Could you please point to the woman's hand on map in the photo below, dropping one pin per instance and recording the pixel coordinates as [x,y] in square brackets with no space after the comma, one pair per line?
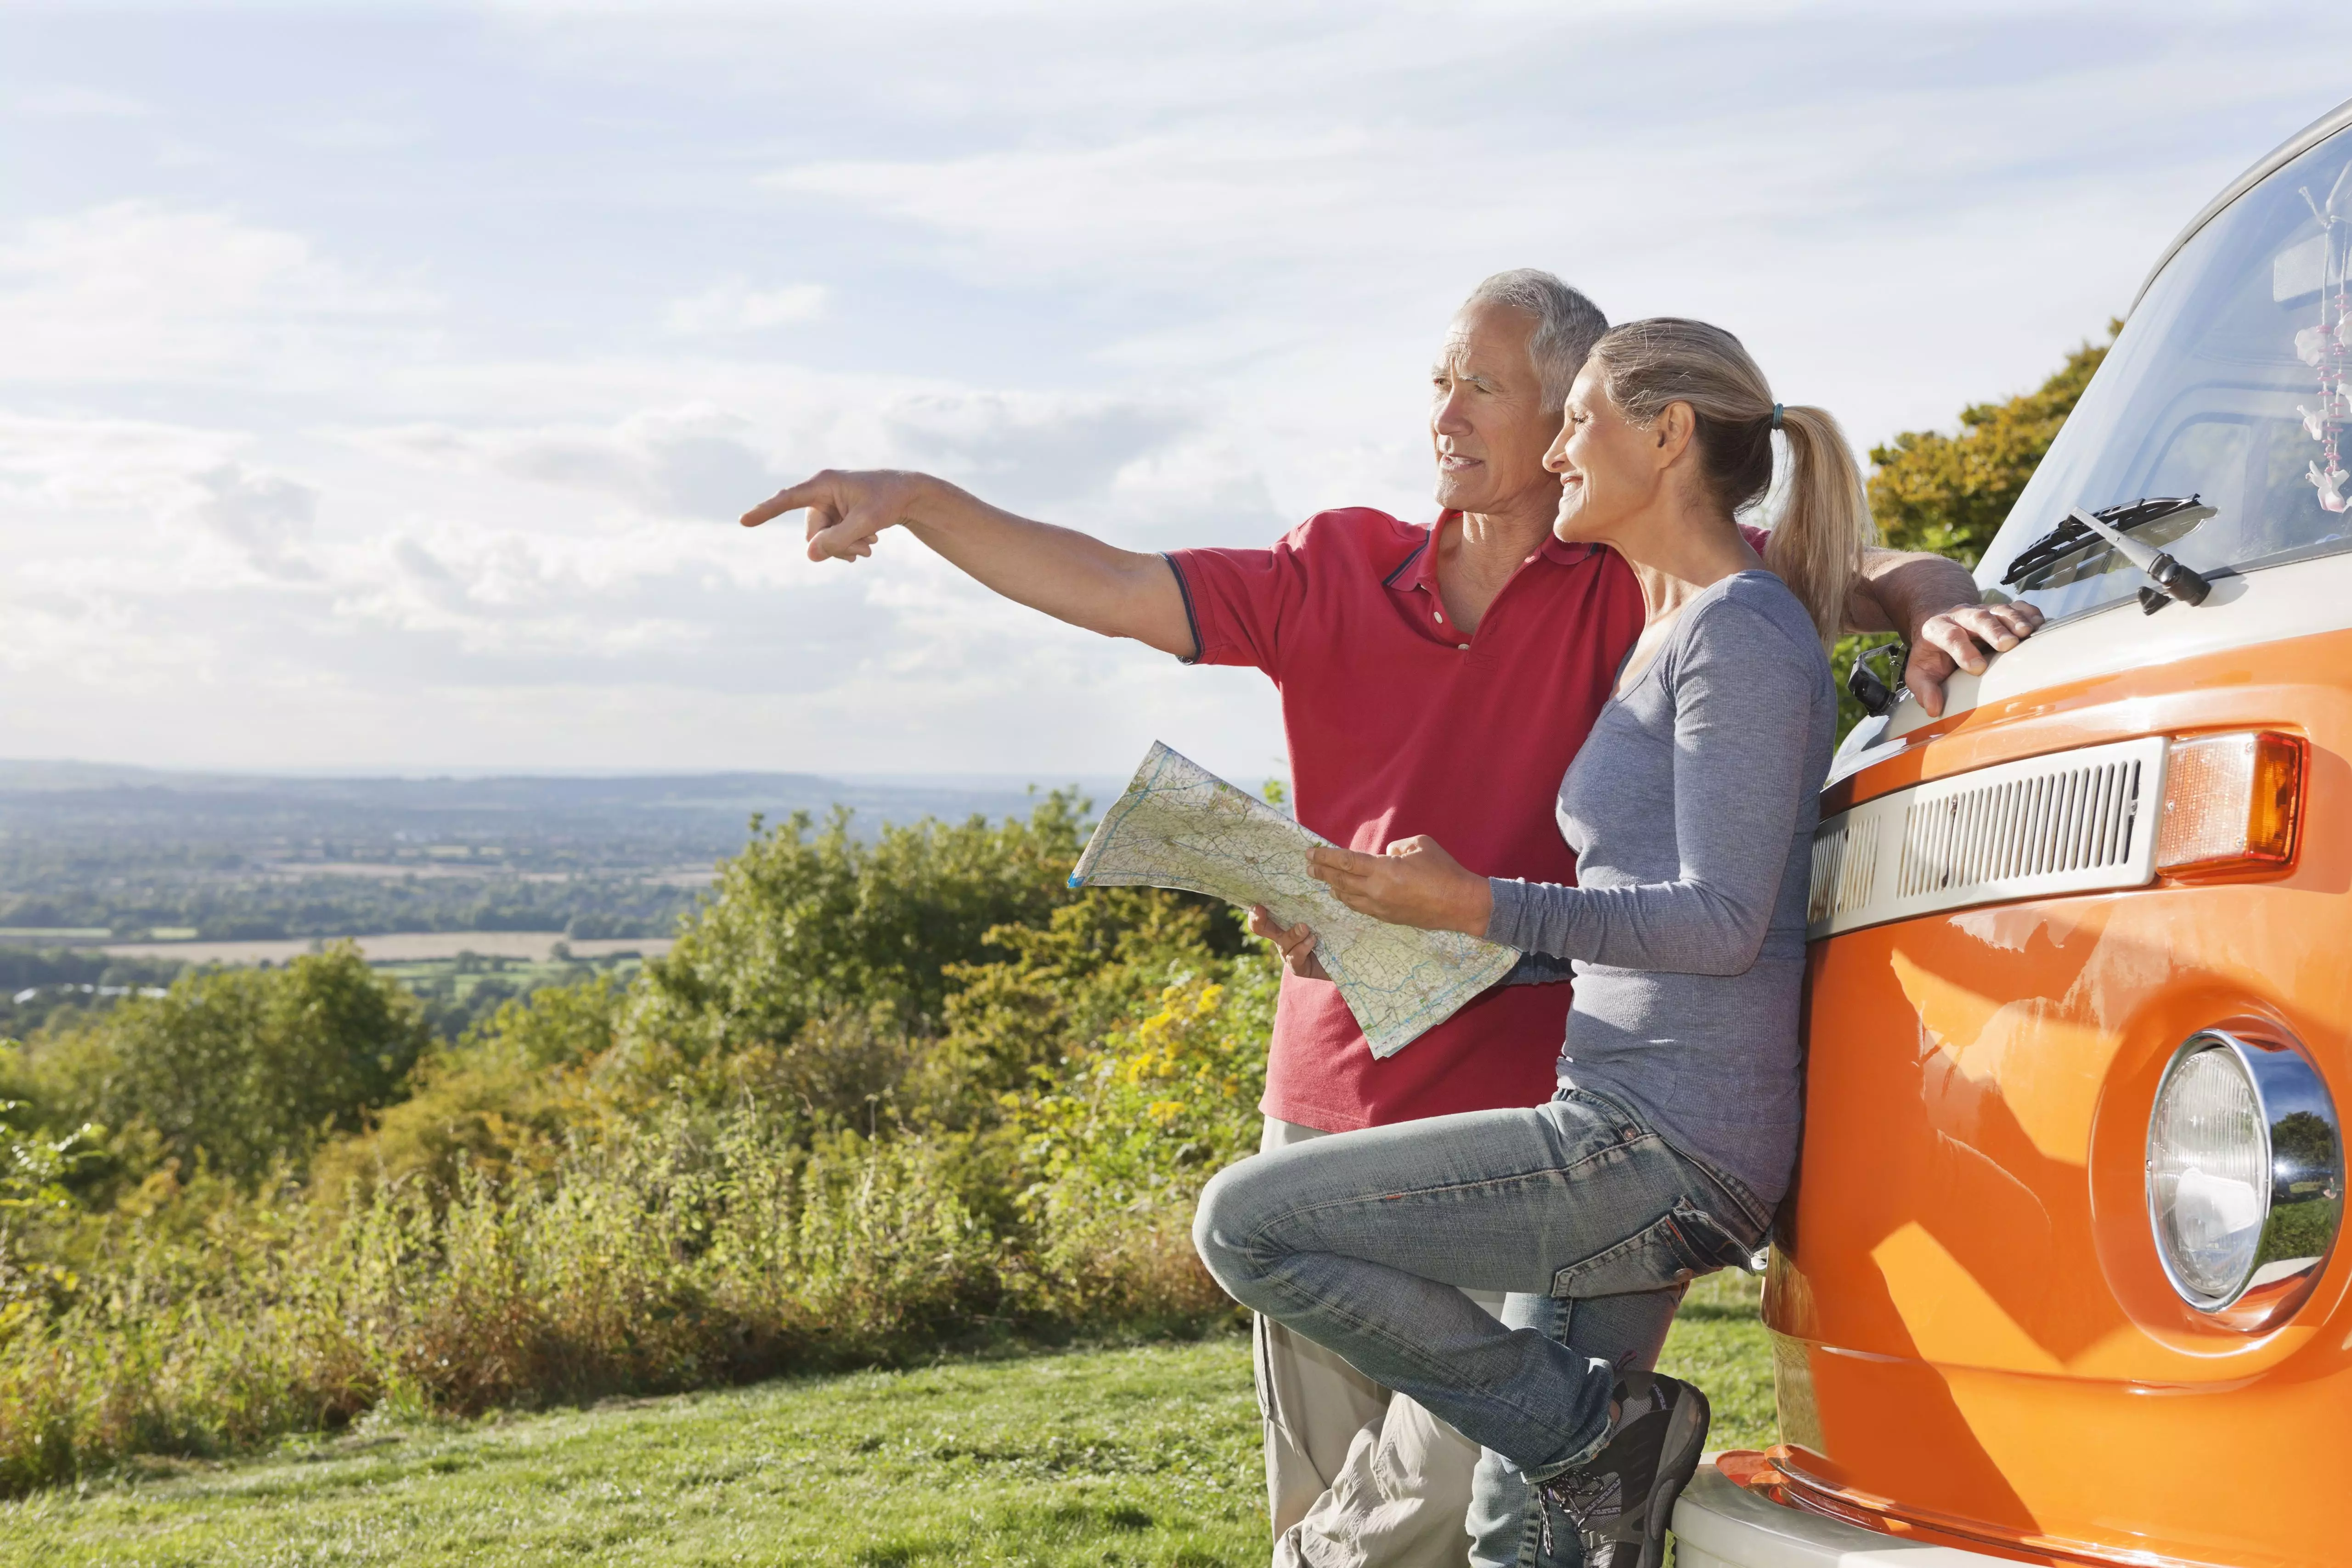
[1296,943]
[1417,883]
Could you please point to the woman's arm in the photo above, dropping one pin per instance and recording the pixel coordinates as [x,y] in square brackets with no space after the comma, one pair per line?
[1744,692]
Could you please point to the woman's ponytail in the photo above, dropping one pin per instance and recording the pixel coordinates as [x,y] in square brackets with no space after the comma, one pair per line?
[1824,524]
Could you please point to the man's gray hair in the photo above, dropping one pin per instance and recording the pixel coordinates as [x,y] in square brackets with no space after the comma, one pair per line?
[1566,324]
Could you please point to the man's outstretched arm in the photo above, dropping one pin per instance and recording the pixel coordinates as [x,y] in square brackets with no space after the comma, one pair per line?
[1069,575]
[1933,602]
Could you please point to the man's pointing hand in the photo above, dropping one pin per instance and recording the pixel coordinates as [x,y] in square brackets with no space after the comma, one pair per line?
[1069,575]
[846,510]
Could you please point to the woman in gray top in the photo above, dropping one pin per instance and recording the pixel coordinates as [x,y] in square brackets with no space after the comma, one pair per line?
[1691,809]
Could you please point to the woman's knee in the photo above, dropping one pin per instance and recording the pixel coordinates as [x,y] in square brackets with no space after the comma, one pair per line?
[1229,1214]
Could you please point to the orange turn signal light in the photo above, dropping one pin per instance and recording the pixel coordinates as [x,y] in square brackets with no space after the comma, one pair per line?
[2230,803]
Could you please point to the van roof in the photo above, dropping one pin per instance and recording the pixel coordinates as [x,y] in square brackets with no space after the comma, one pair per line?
[2294,147]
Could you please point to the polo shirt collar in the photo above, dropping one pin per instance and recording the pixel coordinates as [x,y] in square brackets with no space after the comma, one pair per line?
[1418,570]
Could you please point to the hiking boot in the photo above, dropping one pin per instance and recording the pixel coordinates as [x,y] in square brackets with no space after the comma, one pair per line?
[1620,1500]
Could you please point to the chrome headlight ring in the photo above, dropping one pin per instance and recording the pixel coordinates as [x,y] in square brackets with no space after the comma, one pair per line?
[2245,1176]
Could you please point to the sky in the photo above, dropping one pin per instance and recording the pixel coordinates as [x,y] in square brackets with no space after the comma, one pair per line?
[379,385]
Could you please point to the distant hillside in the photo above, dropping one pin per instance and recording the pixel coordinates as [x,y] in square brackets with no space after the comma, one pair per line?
[90,850]
[672,811]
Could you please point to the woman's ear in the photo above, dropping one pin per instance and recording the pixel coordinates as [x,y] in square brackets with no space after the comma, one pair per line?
[1671,432]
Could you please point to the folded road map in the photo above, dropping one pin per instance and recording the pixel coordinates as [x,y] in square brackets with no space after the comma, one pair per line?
[1180,825]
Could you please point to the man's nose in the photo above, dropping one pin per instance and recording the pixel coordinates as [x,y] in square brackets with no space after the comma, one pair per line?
[1448,416]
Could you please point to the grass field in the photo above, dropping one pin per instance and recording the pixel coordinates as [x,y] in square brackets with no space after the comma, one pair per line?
[1138,1455]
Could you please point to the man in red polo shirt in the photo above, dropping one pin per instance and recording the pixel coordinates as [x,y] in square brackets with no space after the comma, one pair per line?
[1435,680]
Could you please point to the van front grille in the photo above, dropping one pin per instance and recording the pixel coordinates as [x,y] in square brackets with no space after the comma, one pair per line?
[2065,823]
[1845,867]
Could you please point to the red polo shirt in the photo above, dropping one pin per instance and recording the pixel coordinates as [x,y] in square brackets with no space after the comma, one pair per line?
[1398,723]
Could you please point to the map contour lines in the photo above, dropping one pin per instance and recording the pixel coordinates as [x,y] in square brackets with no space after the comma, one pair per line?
[1180,825]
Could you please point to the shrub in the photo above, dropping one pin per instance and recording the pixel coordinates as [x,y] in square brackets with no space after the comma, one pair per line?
[882,1099]
[804,927]
[679,1256]
[504,1103]
[1120,1147]
[246,1070]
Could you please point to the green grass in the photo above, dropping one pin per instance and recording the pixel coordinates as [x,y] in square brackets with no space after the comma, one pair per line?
[1718,1342]
[1138,1455]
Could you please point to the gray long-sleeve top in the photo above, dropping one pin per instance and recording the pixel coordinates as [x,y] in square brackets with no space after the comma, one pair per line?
[1691,809]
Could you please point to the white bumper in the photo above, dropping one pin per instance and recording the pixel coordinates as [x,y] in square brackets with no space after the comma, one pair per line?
[1717,1525]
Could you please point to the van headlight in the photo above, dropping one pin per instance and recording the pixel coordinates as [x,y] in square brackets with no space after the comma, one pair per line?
[2245,1176]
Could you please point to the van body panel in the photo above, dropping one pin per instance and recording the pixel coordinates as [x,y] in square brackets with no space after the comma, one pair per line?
[2064,667]
[1971,1322]
[1975,1340]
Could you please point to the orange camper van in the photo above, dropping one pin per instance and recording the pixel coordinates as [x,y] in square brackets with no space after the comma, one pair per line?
[2060,1279]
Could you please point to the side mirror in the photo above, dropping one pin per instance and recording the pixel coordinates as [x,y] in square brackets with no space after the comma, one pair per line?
[1868,687]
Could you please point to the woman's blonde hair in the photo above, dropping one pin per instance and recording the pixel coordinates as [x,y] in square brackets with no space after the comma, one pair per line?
[1816,548]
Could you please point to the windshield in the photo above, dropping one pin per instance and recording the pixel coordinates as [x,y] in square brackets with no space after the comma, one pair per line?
[2232,383]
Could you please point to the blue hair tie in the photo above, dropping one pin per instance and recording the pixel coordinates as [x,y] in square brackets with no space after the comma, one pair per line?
[1776,416]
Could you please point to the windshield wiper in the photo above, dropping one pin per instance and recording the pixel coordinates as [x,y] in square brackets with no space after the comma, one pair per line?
[2172,580]
[2082,531]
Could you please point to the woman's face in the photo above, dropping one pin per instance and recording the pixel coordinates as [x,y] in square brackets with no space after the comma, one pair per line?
[1608,468]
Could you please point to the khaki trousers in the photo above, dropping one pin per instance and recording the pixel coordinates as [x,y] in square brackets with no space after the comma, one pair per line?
[1356,1477]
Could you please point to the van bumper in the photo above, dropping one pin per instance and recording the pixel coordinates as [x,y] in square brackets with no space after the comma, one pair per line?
[1718,1525]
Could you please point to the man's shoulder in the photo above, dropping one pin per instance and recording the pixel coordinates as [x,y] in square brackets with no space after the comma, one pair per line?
[1355,532]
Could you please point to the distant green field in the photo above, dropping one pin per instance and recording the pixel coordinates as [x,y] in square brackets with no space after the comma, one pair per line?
[465,976]
[459,993]
[1139,1455]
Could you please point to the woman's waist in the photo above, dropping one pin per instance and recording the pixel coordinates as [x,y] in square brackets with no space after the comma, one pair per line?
[1784,943]
[1627,1010]
[1766,981]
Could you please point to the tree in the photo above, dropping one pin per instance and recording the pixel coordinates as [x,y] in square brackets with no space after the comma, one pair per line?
[1949,494]
[807,925]
[248,1067]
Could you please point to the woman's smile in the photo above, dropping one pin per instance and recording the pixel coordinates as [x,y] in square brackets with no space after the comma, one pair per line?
[1572,501]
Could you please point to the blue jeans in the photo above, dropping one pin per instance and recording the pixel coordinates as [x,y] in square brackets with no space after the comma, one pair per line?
[1365,1241]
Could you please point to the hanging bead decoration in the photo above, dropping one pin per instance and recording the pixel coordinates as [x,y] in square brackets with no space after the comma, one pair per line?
[2326,348]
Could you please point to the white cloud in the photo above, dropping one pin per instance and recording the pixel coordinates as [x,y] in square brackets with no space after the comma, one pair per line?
[102,466]
[267,517]
[735,306]
[65,100]
[693,460]
[141,291]
[415,438]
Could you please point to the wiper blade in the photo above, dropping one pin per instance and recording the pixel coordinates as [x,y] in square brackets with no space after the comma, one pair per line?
[2069,535]
[2168,578]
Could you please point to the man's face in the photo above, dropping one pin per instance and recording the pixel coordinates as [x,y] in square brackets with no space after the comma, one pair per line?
[1489,424]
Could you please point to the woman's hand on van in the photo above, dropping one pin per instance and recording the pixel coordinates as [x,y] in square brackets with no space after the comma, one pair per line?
[1417,883]
[1296,943]
[1957,639]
